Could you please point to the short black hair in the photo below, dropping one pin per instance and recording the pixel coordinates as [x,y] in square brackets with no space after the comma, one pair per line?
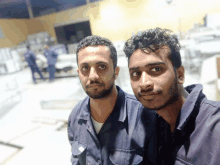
[152,40]
[96,41]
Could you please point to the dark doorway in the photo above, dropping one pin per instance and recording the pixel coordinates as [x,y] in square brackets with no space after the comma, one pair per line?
[73,33]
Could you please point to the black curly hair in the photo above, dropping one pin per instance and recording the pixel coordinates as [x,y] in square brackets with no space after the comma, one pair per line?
[96,41]
[152,40]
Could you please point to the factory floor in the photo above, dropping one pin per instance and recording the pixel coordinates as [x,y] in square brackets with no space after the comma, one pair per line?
[33,125]
[33,117]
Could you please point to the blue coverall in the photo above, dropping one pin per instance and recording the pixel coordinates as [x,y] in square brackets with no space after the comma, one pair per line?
[31,59]
[51,56]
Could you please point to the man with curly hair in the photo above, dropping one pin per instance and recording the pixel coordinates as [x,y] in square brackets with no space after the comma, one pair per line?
[109,126]
[188,125]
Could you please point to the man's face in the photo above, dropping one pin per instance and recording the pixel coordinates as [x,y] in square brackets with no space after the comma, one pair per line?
[153,78]
[96,71]
[46,47]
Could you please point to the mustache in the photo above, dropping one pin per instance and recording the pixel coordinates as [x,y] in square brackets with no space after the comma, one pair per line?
[148,92]
[95,83]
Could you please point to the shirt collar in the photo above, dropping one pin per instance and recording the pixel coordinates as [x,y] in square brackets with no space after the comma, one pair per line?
[84,109]
[119,112]
[189,105]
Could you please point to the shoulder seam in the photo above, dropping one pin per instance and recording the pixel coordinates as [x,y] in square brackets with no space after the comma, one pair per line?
[207,102]
[77,110]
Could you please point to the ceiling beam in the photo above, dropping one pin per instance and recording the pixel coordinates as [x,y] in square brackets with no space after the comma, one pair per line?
[30,11]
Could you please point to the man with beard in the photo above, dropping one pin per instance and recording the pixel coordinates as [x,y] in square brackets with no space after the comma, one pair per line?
[109,126]
[188,125]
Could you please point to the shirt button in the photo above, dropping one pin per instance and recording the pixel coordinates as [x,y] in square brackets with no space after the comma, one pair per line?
[99,162]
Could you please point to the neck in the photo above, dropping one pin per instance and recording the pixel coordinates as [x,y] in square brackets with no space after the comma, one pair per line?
[102,108]
[171,112]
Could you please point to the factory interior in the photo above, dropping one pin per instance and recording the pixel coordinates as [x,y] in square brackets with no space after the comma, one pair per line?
[33,116]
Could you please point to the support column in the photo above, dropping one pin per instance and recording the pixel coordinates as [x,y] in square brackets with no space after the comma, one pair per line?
[31,15]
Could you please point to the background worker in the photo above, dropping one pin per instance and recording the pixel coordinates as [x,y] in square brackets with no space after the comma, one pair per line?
[31,60]
[51,56]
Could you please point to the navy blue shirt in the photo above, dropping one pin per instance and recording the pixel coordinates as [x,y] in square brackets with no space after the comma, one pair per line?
[196,138]
[51,56]
[122,139]
[30,57]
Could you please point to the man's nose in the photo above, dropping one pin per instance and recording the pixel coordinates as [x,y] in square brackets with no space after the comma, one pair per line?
[146,81]
[93,75]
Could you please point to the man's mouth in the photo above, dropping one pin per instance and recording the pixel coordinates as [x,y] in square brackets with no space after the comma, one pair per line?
[148,97]
[94,85]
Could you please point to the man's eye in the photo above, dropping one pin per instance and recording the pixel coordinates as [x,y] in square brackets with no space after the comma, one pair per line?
[156,69]
[85,68]
[102,66]
[135,74]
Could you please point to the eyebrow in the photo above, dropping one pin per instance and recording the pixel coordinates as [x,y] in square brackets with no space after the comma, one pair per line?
[150,64]
[101,63]
[85,63]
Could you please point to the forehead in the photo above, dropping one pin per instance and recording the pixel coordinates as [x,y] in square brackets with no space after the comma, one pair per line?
[93,54]
[142,58]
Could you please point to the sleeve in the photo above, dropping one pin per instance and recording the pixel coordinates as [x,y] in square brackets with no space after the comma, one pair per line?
[212,141]
[54,54]
[78,149]
[74,160]
[33,56]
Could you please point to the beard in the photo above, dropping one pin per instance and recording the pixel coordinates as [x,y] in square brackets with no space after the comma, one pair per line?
[102,94]
[173,92]
[172,100]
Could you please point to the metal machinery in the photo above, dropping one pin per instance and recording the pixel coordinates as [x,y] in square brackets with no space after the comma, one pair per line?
[9,61]
[201,42]
[198,44]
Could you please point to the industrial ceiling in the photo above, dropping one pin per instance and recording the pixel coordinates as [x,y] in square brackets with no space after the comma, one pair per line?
[19,8]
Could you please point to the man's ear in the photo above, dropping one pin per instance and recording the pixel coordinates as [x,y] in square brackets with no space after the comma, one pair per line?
[181,74]
[78,70]
[117,69]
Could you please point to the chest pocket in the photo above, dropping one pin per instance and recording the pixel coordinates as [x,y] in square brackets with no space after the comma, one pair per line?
[78,153]
[126,157]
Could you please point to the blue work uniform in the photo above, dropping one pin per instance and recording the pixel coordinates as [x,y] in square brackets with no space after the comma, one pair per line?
[51,56]
[122,139]
[31,60]
[196,138]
